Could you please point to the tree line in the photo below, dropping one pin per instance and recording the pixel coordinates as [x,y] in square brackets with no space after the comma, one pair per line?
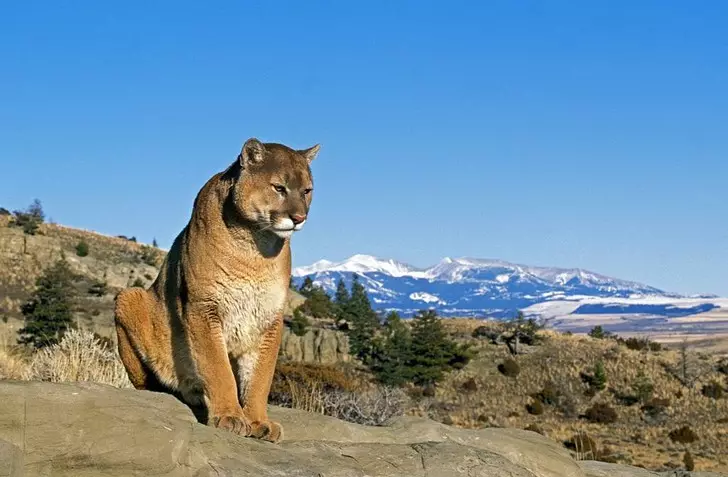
[396,351]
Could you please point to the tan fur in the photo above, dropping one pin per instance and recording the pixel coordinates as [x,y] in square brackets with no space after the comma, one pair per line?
[209,328]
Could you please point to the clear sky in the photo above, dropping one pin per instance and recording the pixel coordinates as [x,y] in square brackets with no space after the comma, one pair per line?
[579,134]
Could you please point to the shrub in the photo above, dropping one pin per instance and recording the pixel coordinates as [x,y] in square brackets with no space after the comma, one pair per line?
[548,395]
[79,356]
[655,406]
[712,390]
[82,249]
[643,388]
[469,385]
[601,414]
[535,428]
[598,333]
[509,368]
[98,289]
[535,408]
[683,435]
[328,390]
[723,366]
[584,446]
[486,332]
[299,323]
[149,255]
[596,381]
[31,218]
[138,282]
[688,461]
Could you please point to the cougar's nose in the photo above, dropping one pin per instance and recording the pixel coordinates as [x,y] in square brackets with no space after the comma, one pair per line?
[298,219]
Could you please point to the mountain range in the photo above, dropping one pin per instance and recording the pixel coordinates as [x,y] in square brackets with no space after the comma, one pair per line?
[470,287]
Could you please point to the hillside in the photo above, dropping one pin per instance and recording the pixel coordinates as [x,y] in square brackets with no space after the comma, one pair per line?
[116,261]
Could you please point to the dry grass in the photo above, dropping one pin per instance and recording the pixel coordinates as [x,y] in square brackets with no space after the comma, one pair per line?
[479,395]
[78,357]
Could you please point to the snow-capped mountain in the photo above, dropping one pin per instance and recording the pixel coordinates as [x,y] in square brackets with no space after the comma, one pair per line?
[494,288]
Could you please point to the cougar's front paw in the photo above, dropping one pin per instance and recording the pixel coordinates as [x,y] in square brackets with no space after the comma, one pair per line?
[267,430]
[233,423]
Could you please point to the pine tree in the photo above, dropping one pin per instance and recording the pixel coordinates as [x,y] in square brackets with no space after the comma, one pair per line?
[30,219]
[154,243]
[392,352]
[600,377]
[299,323]
[48,312]
[318,303]
[364,322]
[341,302]
[306,287]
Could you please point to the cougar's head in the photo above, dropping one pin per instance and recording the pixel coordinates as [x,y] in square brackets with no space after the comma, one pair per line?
[275,188]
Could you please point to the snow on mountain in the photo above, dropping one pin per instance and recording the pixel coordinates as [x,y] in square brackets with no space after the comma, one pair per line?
[495,288]
[358,264]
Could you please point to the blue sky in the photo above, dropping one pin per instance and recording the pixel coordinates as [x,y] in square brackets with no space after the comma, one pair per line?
[585,134]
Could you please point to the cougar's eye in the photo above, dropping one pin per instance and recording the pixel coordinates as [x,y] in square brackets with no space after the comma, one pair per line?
[279,188]
[307,191]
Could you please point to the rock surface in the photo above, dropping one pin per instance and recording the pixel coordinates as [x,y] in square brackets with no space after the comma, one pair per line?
[318,345]
[85,430]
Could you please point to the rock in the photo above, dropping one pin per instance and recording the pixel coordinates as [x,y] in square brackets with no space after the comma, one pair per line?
[318,345]
[86,430]
[601,469]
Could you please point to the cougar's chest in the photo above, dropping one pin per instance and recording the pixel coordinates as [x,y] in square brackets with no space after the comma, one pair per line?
[247,310]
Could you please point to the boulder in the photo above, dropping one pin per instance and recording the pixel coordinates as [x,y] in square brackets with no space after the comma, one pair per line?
[85,430]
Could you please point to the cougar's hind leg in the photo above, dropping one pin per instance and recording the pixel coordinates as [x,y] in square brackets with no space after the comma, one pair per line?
[130,308]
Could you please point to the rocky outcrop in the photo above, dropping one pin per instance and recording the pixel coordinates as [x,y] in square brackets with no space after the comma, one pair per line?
[90,430]
[318,345]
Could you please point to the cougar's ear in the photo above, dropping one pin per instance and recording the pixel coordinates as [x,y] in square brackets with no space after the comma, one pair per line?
[310,153]
[252,153]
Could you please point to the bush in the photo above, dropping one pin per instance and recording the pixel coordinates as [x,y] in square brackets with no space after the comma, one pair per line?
[584,446]
[299,323]
[469,385]
[655,406]
[643,388]
[723,366]
[548,395]
[535,428]
[640,344]
[713,390]
[79,356]
[31,218]
[138,282]
[688,461]
[82,249]
[601,414]
[598,333]
[535,408]
[98,289]
[328,390]
[486,332]
[149,255]
[683,435]
[509,368]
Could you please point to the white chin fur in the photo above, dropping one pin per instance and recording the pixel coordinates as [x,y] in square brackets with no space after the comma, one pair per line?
[284,234]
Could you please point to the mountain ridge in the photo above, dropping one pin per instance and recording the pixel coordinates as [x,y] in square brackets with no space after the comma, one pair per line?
[475,287]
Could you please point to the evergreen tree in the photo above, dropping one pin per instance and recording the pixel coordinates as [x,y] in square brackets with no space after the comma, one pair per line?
[341,302]
[30,219]
[154,243]
[432,352]
[299,323]
[599,381]
[392,352]
[364,322]
[306,287]
[48,312]
[318,303]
